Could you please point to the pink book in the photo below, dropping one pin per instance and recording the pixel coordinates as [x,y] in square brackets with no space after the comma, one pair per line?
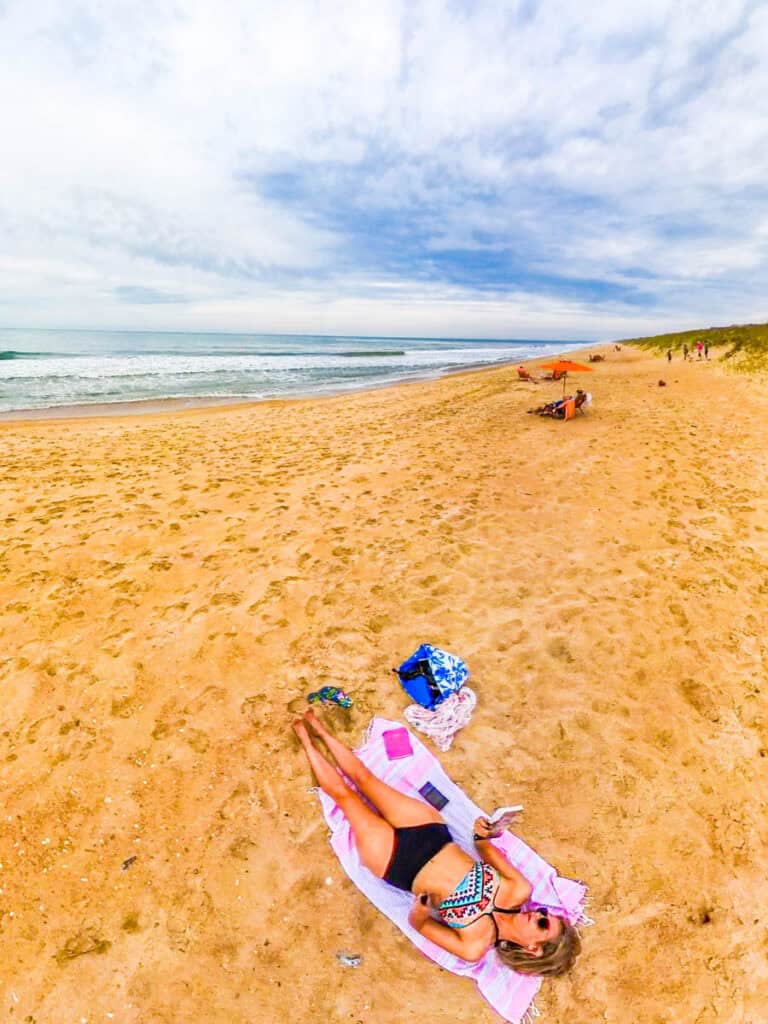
[397,743]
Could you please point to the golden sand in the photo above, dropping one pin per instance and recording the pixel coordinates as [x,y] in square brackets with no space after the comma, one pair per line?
[171,588]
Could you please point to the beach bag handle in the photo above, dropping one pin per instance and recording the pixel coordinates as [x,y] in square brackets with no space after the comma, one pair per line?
[421,668]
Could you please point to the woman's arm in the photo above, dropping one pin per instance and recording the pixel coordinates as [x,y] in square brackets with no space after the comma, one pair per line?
[468,947]
[492,855]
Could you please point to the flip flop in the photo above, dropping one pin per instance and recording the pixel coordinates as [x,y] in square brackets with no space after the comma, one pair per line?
[330,695]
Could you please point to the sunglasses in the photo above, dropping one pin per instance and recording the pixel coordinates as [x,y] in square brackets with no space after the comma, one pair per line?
[542,921]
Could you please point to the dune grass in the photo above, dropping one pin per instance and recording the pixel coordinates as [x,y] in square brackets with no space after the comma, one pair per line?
[746,345]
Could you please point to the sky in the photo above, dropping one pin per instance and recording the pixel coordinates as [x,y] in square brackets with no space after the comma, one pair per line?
[495,169]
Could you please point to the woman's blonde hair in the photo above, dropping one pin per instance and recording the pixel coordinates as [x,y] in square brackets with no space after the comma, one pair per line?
[558,956]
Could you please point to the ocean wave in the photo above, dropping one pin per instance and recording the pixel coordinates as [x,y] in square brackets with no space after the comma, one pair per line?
[103,368]
[367,353]
[12,353]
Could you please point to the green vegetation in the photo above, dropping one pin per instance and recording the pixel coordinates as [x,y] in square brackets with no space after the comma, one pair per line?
[746,346]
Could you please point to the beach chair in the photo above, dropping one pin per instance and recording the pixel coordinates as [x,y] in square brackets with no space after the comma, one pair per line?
[569,409]
[587,401]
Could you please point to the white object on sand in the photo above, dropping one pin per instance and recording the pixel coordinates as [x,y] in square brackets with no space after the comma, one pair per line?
[442,724]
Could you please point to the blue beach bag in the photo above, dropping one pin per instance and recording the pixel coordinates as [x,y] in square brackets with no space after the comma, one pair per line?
[430,675]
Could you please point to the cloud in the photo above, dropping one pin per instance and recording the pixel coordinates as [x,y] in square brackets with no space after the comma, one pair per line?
[139,295]
[276,166]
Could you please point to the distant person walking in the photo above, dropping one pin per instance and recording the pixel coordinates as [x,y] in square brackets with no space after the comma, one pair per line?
[685,353]
[669,355]
[699,347]
[706,350]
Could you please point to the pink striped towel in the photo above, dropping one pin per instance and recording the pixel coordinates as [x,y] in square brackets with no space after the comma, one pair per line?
[510,994]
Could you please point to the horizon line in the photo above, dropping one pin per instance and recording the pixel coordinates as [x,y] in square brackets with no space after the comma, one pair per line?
[304,334]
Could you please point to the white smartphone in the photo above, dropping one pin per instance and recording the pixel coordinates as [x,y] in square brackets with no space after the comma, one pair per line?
[503,817]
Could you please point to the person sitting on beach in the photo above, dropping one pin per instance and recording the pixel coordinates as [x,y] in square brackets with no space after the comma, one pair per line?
[525,374]
[551,408]
[561,410]
[582,398]
[557,409]
[463,905]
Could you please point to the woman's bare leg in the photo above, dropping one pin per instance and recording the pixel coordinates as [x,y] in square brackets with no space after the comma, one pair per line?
[398,809]
[374,837]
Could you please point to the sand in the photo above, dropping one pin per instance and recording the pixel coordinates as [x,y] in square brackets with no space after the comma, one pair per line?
[171,587]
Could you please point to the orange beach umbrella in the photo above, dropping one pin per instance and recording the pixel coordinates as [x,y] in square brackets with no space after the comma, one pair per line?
[565,366]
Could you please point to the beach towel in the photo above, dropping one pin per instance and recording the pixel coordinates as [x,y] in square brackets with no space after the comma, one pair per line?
[510,994]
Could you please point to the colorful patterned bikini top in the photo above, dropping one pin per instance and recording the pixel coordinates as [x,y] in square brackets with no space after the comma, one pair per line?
[473,898]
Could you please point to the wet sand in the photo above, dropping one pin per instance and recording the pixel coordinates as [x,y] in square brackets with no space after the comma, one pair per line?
[172,586]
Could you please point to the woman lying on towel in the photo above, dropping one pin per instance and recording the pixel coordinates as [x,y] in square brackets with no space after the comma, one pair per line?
[463,905]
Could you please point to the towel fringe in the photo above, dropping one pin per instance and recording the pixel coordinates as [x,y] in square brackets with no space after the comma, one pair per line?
[368,733]
[585,904]
[530,1014]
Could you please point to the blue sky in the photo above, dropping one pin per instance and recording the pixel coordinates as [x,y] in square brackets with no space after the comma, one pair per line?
[488,169]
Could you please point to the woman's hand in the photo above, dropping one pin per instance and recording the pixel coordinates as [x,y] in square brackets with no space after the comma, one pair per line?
[484,830]
[421,911]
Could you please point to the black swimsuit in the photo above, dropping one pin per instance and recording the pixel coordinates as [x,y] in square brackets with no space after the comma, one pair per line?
[413,846]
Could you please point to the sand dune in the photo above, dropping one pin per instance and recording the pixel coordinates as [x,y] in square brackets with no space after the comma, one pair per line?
[172,587]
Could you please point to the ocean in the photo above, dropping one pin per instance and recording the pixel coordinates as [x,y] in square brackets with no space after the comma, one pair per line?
[58,370]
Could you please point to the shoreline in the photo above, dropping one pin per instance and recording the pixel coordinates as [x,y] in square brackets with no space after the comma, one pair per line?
[162,406]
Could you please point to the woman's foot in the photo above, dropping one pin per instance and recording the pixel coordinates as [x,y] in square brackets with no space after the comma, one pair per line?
[301,731]
[311,719]
[326,774]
